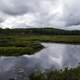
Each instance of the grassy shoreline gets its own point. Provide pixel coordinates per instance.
(17, 45)
(17, 42)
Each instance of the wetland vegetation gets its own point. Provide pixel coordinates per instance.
(16, 42)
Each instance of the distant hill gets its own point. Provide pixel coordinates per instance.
(39, 31)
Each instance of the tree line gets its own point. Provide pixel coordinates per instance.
(39, 31)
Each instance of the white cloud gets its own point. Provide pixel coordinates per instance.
(60, 13)
(13, 22)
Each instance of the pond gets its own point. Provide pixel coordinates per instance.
(54, 55)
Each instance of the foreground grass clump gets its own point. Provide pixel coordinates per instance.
(67, 74)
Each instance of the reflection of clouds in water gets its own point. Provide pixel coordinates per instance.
(50, 56)
(6, 63)
(53, 55)
(57, 55)
(71, 56)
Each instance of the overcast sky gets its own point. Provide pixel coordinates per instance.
(39, 13)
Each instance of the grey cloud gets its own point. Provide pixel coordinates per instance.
(16, 7)
(40, 9)
(13, 7)
(1, 20)
(71, 10)
(44, 11)
(2, 17)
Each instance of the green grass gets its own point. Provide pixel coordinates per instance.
(46, 38)
(17, 51)
(17, 45)
(14, 46)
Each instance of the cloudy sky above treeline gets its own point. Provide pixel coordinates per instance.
(39, 13)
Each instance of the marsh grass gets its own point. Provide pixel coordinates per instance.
(17, 45)
(17, 42)
(66, 74)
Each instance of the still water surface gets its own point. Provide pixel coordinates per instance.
(54, 55)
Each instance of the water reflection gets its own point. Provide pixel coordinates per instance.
(53, 55)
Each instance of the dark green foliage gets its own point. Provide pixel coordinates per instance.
(66, 74)
(38, 76)
(17, 51)
(39, 31)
